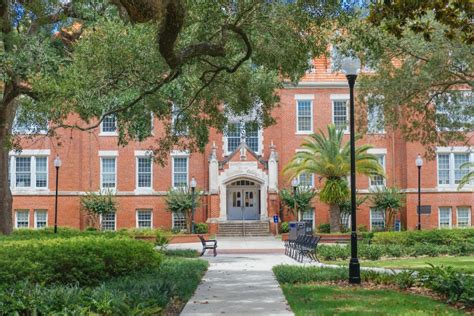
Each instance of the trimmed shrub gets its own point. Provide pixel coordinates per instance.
(185, 253)
(137, 294)
(437, 236)
(81, 260)
(295, 274)
(284, 227)
(324, 228)
(370, 252)
(201, 228)
(333, 252)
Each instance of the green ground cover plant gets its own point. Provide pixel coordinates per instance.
(184, 253)
(447, 237)
(82, 260)
(166, 287)
(454, 286)
(460, 264)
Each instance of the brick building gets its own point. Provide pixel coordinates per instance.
(240, 179)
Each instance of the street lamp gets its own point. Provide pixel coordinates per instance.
(57, 164)
(294, 184)
(192, 184)
(351, 66)
(419, 164)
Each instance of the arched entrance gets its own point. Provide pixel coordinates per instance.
(243, 200)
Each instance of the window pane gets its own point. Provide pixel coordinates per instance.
(41, 172)
(144, 172)
(109, 124)
(180, 172)
(443, 168)
(464, 216)
(379, 180)
(340, 114)
(375, 119)
(377, 219)
(22, 219)
(459, 160)
(144, 219)
(41, 217)
(304, 116)
(444, 217)
(179, 221)
(108, 221)
(108, 172)
(306, 180)
(23, 171)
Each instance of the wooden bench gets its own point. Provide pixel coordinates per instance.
(210, 244)
(302, 246)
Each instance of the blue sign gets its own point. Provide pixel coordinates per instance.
(275, 219)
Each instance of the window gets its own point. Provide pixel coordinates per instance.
(454, 110)
(22, 219)
(108, 173)
(144, 172)
(340, 114)
(23, 171)
(144, 219)
(464, 216)
(109, 125)
(444, 217)
(306, 180)
(377, 181)
(449, 167)
(180, 171)
(308, 218)
(29, 172)
(375, 119)
(29, 122)
(377, 219)
(459, 160)
(237, 131)
(107, 221)
(304, 116)
(179, 221)
(178, 124)
(41, 218)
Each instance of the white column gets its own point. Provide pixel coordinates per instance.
(273, 170)
(213, 171)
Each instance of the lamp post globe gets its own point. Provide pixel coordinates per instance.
(294, 184)
(57, 165)
(192, 184)
(351, 66)
(419, 164)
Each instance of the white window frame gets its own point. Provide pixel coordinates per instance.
(106, 133)
(384, 166)
(313, 219)
(151, 217)
(312, 180)
(115, 222)
(340, 98)
(179, 155)
(173, 221)
(225, 139)
(16, 217)
(469, 211)
(304, 97)
(370, 218)
(143, 154)
(452, 151)
(377, 131)
(450, 216)
(107, 154)
(174, 116)
(36, 217)
(32, 154)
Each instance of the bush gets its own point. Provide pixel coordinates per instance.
(333, 252)
(437, 236)
(284, 227)
(395, 251)
(201, 228)
(161, 240)
(137, 294)
(362, 228)
(184, 253)
(82, 260)
(324, 228)
(370, 252)
(295, 274)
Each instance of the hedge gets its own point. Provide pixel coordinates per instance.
(81, 260)
(146, 293)
(437, 236)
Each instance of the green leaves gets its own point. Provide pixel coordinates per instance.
(302, 199)
(180, 200)
(99, 203)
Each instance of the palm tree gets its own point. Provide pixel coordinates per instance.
(327, 157)
(469, 176)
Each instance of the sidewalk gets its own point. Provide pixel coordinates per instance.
(240, 285)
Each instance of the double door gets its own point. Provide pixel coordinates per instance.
(243, 204)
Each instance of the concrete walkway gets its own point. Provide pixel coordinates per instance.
(240, 284)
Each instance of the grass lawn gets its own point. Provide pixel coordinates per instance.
(332, 300)
(461, 264)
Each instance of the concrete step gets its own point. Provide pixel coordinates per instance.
(248, 229)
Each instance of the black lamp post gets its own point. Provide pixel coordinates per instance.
(193, 184)
(419, 164)
(351, 67)
(57, 164)
(294, 184)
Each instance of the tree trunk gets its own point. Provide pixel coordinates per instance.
(334, 218)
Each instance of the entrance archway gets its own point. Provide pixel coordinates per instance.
(243, 200)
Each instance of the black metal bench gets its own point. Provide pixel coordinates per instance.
(210, 244)
(302, 246)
